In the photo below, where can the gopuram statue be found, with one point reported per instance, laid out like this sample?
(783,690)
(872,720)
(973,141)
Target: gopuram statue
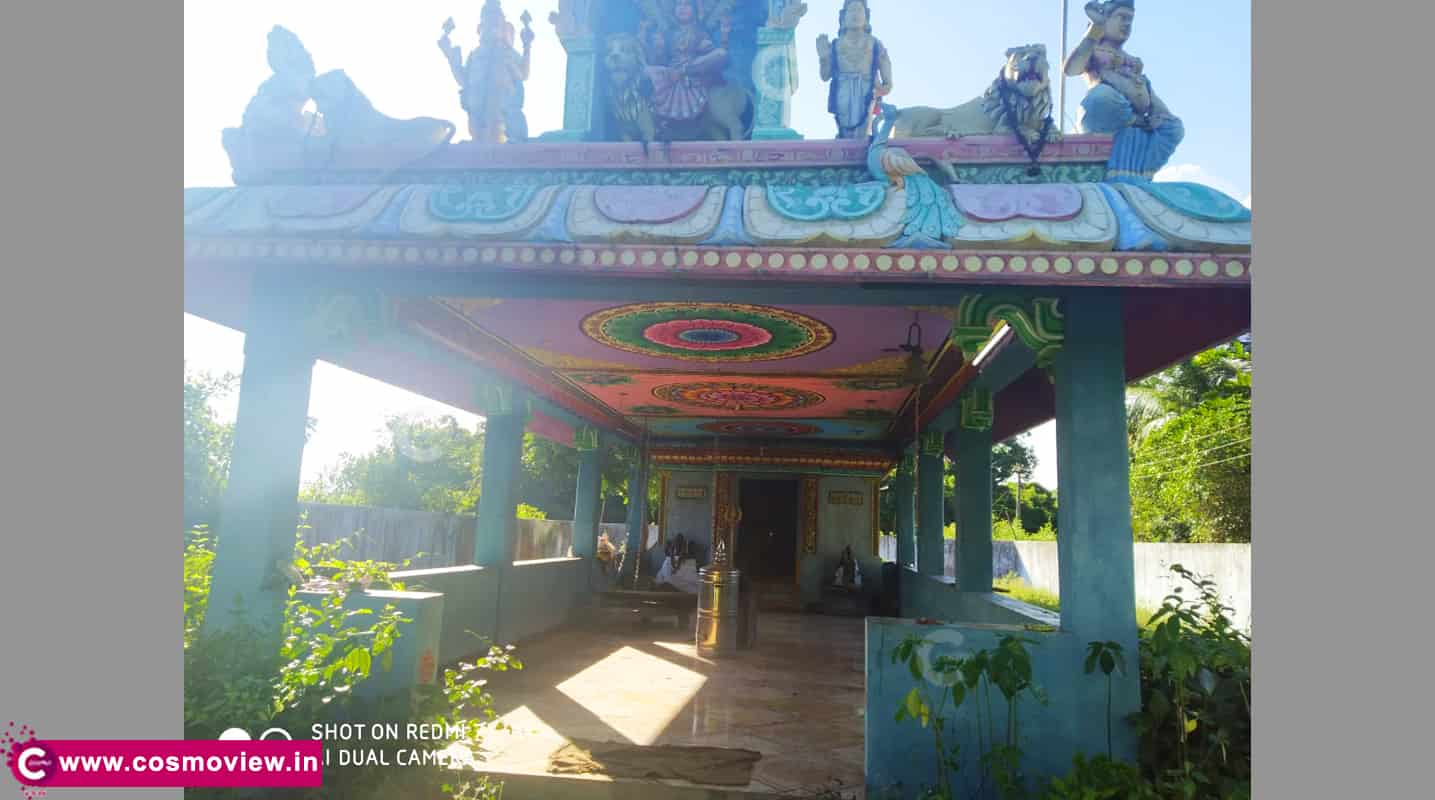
(275,122)
(858,68)
(1120,100)
(491,82)
(666,81)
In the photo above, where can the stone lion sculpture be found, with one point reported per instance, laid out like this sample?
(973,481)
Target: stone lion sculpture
(1022,89)
(351,124)
(728,116)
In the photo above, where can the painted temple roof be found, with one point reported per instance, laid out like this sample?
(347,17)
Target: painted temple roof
(565,269)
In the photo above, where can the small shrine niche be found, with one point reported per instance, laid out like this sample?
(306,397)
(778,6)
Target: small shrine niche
(677,70)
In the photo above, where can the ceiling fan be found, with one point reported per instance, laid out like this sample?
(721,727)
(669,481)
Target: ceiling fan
(914,373)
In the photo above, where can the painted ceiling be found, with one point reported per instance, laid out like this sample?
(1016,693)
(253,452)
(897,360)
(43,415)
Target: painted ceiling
(702,370)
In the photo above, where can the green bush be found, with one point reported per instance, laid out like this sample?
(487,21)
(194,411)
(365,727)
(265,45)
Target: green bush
(1194,726)
(307,673)
(1195,722)
(198,560)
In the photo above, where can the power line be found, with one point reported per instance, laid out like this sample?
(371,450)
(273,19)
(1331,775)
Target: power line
(1185,442)
(1198,466)
(1145,463)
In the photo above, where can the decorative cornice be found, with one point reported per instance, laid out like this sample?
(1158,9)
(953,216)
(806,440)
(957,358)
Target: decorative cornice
(768,457)
(1042,268)
(743,155)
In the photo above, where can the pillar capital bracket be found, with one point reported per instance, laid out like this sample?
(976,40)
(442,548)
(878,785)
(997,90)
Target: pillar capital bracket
(1038,322)
(933,443)
(342,321)
(501,400)
(586,439)
(977,410)
(907,466)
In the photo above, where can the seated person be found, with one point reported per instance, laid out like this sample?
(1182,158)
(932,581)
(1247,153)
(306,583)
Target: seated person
(848,573)
(679,571)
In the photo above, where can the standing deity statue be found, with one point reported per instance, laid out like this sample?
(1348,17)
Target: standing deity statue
(686,50)
(1120,97)
(491,82)
(858,68)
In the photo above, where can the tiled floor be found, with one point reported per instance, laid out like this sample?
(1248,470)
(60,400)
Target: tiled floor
(797,697)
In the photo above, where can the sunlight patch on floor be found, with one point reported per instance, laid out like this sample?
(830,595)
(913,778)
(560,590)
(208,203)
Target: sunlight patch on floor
(636,693)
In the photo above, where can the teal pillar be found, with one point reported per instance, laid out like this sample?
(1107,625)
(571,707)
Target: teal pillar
(774,73)
(637,514)
(974,509)
(903,493)
(580,85)
(589,500)
(931,469)
(497,503)
(1096,556)
(260,511)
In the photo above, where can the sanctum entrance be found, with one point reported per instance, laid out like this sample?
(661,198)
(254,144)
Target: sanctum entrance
(767,534)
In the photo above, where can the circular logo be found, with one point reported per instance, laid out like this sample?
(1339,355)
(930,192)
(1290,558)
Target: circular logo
(278,733)
(738,396)
(34,763)
(945,642)
(710,332)
(235,735)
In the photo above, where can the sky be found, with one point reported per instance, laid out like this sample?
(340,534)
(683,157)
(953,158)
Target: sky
(944,52)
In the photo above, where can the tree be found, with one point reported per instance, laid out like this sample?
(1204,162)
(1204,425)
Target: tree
(427,465)
(1011,460)
(1190,435)
(207,444)
(1192,480)
(1038,505)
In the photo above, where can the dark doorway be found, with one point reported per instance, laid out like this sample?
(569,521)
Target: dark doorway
(767,534)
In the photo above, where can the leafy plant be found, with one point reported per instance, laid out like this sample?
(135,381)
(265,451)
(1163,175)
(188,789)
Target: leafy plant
(929,708)
(198,561)
(1008,670)
(1195,721)
(235,676)
(1100,778)
(1109,656)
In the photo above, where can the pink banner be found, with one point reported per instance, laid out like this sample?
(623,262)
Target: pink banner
(157,764)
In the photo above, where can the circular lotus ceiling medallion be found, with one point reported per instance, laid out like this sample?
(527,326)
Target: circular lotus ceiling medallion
(738,396)
(759,428)
(722,332)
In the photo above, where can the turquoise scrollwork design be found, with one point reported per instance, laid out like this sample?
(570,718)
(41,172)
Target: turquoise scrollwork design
(1039,323)
(486,203)
(818,203)
(1201,202)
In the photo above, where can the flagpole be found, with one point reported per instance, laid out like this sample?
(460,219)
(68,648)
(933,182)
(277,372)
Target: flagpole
(1061,70)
